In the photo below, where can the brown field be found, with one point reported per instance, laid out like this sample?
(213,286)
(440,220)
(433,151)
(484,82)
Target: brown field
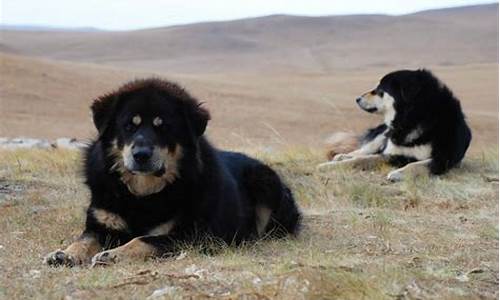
(362,239)
(276,87)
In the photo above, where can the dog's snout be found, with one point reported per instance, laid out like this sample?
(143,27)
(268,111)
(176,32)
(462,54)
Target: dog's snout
(358,100)
(142,153)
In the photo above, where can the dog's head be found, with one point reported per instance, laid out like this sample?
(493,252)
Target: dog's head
(145,127)
(395,90)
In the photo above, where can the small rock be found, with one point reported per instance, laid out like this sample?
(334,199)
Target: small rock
(35,273)
(68,143)
(38,208)
(193,269)
(256,281)
(31,143)
(463,278)
(168,290)
(181,256)
(22,143)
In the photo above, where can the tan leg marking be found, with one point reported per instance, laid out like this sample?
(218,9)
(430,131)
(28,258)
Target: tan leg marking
(411,170)
(109,219)
(363,162)
(263,214)
(79,252)
(162,229)
(135,249)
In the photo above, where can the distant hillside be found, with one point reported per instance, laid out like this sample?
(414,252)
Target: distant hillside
(50,99)
(44,28)
(281,43)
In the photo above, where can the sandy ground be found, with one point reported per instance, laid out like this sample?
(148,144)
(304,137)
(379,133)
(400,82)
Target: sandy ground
(48,99)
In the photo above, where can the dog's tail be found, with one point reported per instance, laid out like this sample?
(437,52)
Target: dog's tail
(341,142)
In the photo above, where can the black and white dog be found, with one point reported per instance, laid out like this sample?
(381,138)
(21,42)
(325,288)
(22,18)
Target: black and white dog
(424,127)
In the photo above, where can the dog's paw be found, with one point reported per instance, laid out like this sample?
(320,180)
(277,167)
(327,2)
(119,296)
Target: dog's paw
(105,258)
(342,156)
(395,176)
(60,258)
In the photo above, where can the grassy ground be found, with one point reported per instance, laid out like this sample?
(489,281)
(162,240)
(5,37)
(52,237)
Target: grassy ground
(363,238)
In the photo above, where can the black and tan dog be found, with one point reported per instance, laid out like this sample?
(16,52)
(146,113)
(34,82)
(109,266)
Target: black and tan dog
(424,127)
(156,182)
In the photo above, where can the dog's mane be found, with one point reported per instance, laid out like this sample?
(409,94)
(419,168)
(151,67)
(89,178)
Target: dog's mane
(167,87)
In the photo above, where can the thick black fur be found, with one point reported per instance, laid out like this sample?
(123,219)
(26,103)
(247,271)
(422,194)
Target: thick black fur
(424,101)
(215,193)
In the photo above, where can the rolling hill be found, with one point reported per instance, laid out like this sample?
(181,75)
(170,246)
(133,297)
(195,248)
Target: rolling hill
(281,43)
(275,80)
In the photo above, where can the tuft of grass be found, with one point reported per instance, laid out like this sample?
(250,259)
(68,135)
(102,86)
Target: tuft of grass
(365,194)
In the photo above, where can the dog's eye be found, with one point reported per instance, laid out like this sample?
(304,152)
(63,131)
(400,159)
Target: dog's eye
(157,122)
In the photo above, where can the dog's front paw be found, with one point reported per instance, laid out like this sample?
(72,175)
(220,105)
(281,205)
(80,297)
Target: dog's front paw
(395,176)
(60,258)
(105,258)
(342,156)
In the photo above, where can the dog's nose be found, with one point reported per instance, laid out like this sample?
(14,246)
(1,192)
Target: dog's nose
(142,154)
(358,99)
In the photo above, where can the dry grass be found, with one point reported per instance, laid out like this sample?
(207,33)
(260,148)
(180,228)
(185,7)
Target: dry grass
(363,238)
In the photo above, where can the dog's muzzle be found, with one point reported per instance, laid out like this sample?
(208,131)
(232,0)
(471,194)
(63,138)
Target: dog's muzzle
(360,103)
(144,160)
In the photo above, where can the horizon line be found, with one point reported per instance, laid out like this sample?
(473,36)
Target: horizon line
(48,28)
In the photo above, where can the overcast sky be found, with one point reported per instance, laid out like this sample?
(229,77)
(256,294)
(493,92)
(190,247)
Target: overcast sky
(135,14)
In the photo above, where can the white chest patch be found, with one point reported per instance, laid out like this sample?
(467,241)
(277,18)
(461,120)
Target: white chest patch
(419,152)
(389,111)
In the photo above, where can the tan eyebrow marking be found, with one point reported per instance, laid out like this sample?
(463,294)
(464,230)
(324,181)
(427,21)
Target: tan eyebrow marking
(136,120)
(157,121)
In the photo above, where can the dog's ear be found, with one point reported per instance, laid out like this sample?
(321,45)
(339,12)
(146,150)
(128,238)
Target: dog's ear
(410,87)
(197,116)
(103,110)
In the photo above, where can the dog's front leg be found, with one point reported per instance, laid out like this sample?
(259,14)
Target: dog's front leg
(139,248)
(369,148)
(79,252)
(362,162)
(104,229)
(411,170)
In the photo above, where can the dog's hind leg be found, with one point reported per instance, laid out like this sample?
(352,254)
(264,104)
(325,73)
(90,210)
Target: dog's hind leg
(275,208)
(364,162)
(411,170)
